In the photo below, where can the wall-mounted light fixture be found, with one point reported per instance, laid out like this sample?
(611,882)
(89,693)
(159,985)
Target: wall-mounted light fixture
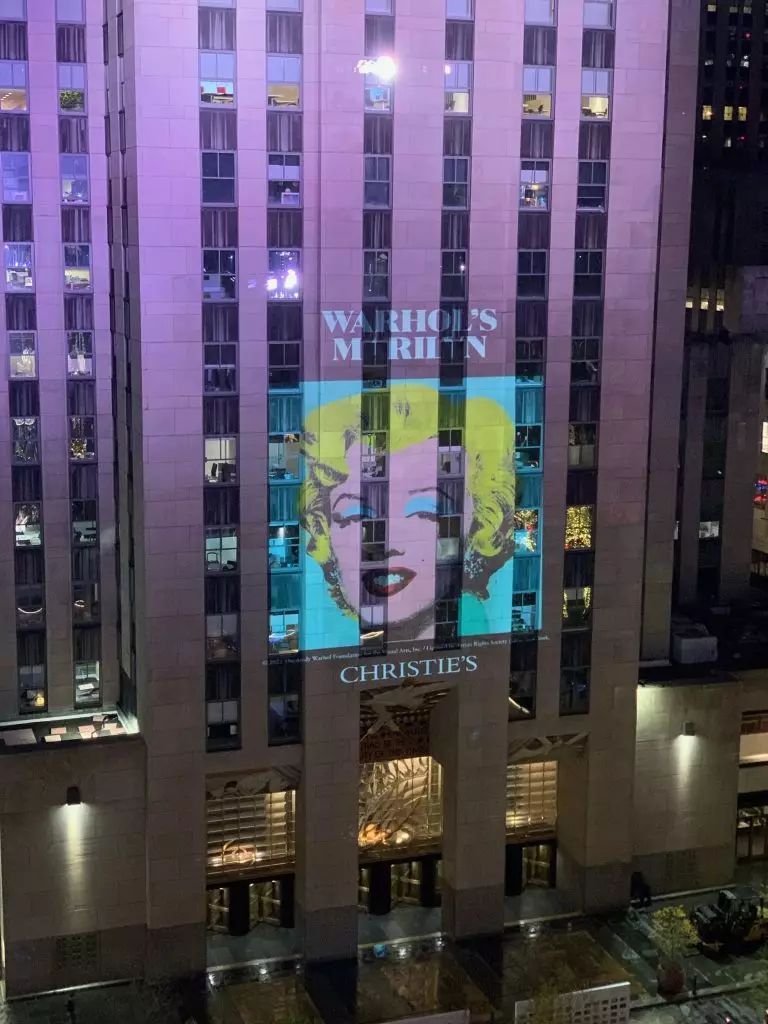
(73,796)
(688,729)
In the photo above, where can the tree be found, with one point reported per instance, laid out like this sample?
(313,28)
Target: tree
(674,933)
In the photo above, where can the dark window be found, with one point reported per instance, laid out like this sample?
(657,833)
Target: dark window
(13,40)
(459,40)
(218,130)
(284,33)
(539,45)
(70,44)
(222,696)
(220,416)
(532,274)
(536,140)
(14,133)
(17,224)
(575,656)
(523,665)
(284,713)
(73,135)
(377,133)
(597,48)
(377,229)
(457,137)
(220,323)
(20,313)
(75,224)
(218,177)
(285,229)
(533,231)
(588,274)
(215,29)
(593,185)
(379,35)
(284,132)
(221,506)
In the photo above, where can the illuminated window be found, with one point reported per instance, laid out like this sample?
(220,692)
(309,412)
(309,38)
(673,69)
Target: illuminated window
(82,438)
(284,546)
(221,549)
(284,457)
(74,178)
(764,440)
(453,8)
(378,94)
(526,531)
(284,280)
(727,113)
(217,78)
(23,357)
(706,112)
(79,353)
(283,81)
(87,681)
(577,605)
(16,179)
(283,632)
(72,88)
(17,257)
(376,273)
(537,91)
(84,513)
(534,184)
(579,525)
(742,113)
(709,529)
(595,93)
(13,86)
(220,460)
(222,636)
(284,174)
(25,440)
(720,300)
(399,802)
(458,87)
(77,268)
(532,798)
(704,299)
(28,524)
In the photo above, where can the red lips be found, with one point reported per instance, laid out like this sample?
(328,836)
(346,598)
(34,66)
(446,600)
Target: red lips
(382,582)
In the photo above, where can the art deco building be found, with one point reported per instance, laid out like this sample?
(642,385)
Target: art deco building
(343,367)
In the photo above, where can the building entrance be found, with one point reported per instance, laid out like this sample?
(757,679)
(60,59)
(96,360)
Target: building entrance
(384,885)
(529,866)
(237,907)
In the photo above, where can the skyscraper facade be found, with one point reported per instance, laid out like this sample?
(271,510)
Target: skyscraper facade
(344,347)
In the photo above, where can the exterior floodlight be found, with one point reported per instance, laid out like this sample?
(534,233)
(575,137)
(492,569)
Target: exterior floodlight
(384,68)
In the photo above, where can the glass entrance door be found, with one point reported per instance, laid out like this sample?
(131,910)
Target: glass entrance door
(406,883)
(218,909)
(538,865)
(264,899)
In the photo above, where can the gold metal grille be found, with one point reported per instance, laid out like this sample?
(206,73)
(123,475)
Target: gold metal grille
(400,805)
(250,832)
(532,798)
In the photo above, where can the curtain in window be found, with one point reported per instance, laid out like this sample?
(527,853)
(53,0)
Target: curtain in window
(533,231)
(76,224)
(222,596)
(594,141)
(24,398)
(70,44)
(284,503)
(284,323)
(529,405)
(284,414)
(597,48)
(220,416)
(591,230)
(28,567)
(584,405)
(451,411)
(536,140)
(218,130)
(459,40)
(523,655)
(216,29)
(284,33)
(539,45)
(13,40)
(73,135)
(455,231)
(20,313)
(17,223)
(220,323)
(579,569)
(221,506)
(374,495)
(457,137)
(448,581)
(30,648)
(528,490)
(450,498)
(86,644)
(285,229)
(83,482)
(284,592)
(587,319)
(284,133)
(379,35)
(525,575)
(531,319)
(219,229)
(14,133)
(78,313)
(377,229)
(575,650)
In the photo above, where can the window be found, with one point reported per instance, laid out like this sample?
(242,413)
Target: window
(69,10)
(30,606)
(23,358)
(222,636)
(537,92)
(16,178)
(284,718)
(28,526)
(30,656)
(529,360)
(216,29)
(598,13)
(79,353)
(456,182)
(85,603)
(284,5)
(577,606)
(534,184)
(284,457)
(539,12)
(593,185)
(528,447)
(284,187)
(453,275)
(378,6)
(17,258)
(220,369)
(283,81)
(582,444)
(458,8)
(221,460)
(221,549)
(595,93)
(575,657)
(284,364)
(283,632)
(74,178)
(217,78)
(82,438)
(376,274)
(379,36)
(532,273)
(77,268)
(526,531)
(13,86)
(283,546)
(85,531)
(72,88)
(219,278)
(218,177)
(709,529)
(14,9)
(764,439)
(284,280)
(25,440)
(588,277)
(585,360)
(458,87)
(222,700)
(523,664)
(377,172)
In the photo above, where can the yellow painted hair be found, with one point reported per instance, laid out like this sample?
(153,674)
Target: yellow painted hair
(331,430)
